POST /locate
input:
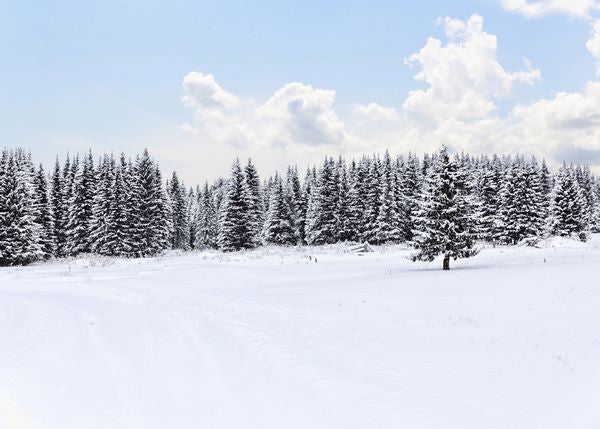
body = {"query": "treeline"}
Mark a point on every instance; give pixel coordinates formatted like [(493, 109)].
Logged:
[(439, 203)]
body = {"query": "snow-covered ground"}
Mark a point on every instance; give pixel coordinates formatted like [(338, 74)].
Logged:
[(273, 339)]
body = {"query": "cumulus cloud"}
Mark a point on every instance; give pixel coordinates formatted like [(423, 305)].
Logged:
[(458, 107), (533, 9), (464, 78), (301, 114), (295, 115), (375, 112), (203, 91), (593, 44)]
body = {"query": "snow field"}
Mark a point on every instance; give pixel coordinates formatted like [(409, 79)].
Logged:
[(272, 339)]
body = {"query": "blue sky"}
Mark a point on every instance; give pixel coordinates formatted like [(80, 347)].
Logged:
[(109, 74)]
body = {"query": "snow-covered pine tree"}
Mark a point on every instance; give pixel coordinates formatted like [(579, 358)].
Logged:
[(355, 201), (568, 207), (255, 201), (207, 234), (43, 213), (19, 233), (320, 218), (310, 180), (408, 190), (584, 178), (532, 208), (117, 242), (372, 191), (295, 199), (509, 218), (80, 209), (101, 207), (236, 227), (59, 210), (546, 185), (162, 221), (193, 214), (490, 196), (342, 226), (179, 212), (444, 225), (279, 223), (388, 222)]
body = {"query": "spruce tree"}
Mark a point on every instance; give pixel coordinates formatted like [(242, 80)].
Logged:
[(179, 213), (255, 212), (236, 230), (80, 208), (568, 207), (101, 207), (207, 234), (279, 223), (342, 224), (320, 217), (43, 214), (19, 233), (59, 211), (388, 227), (444, 226)]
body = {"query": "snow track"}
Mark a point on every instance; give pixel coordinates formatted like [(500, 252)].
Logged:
[(271, 339)]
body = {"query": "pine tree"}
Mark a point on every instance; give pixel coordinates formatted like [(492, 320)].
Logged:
[(320, 217), (19, 234), (193, 214), (388, 228), (568, 207), (59, 211), (408, 188), (179, 213), (236, 230), (342, 226), (490, 196), (116, 242), (101, 206), (356, 203), (80, 209), (43, 214), (255, 212), (207, 234), (279, 223), (295, 200), (443, 223), (372, 196)]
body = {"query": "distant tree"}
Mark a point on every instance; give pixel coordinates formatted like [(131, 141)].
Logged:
[(19, 234), (179, 212), (207, 234), (279, 223), (236, 226), (43, 214), (568, 207), (254, 198), (80, 208)]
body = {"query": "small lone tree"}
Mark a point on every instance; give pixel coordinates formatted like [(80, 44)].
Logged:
[(444, 222)]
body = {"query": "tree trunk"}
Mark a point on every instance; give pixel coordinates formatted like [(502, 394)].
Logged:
[(446, 262)]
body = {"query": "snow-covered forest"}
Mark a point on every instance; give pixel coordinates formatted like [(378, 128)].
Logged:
[(440, 204)]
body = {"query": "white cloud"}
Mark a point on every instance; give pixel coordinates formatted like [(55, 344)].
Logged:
[(296, 115), (464, 81), (301, 114), (202, 91), (375, 112), (532, 9), (593, 44), (463, 76)]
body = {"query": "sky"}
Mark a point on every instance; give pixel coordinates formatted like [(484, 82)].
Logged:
[(201, 83)]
